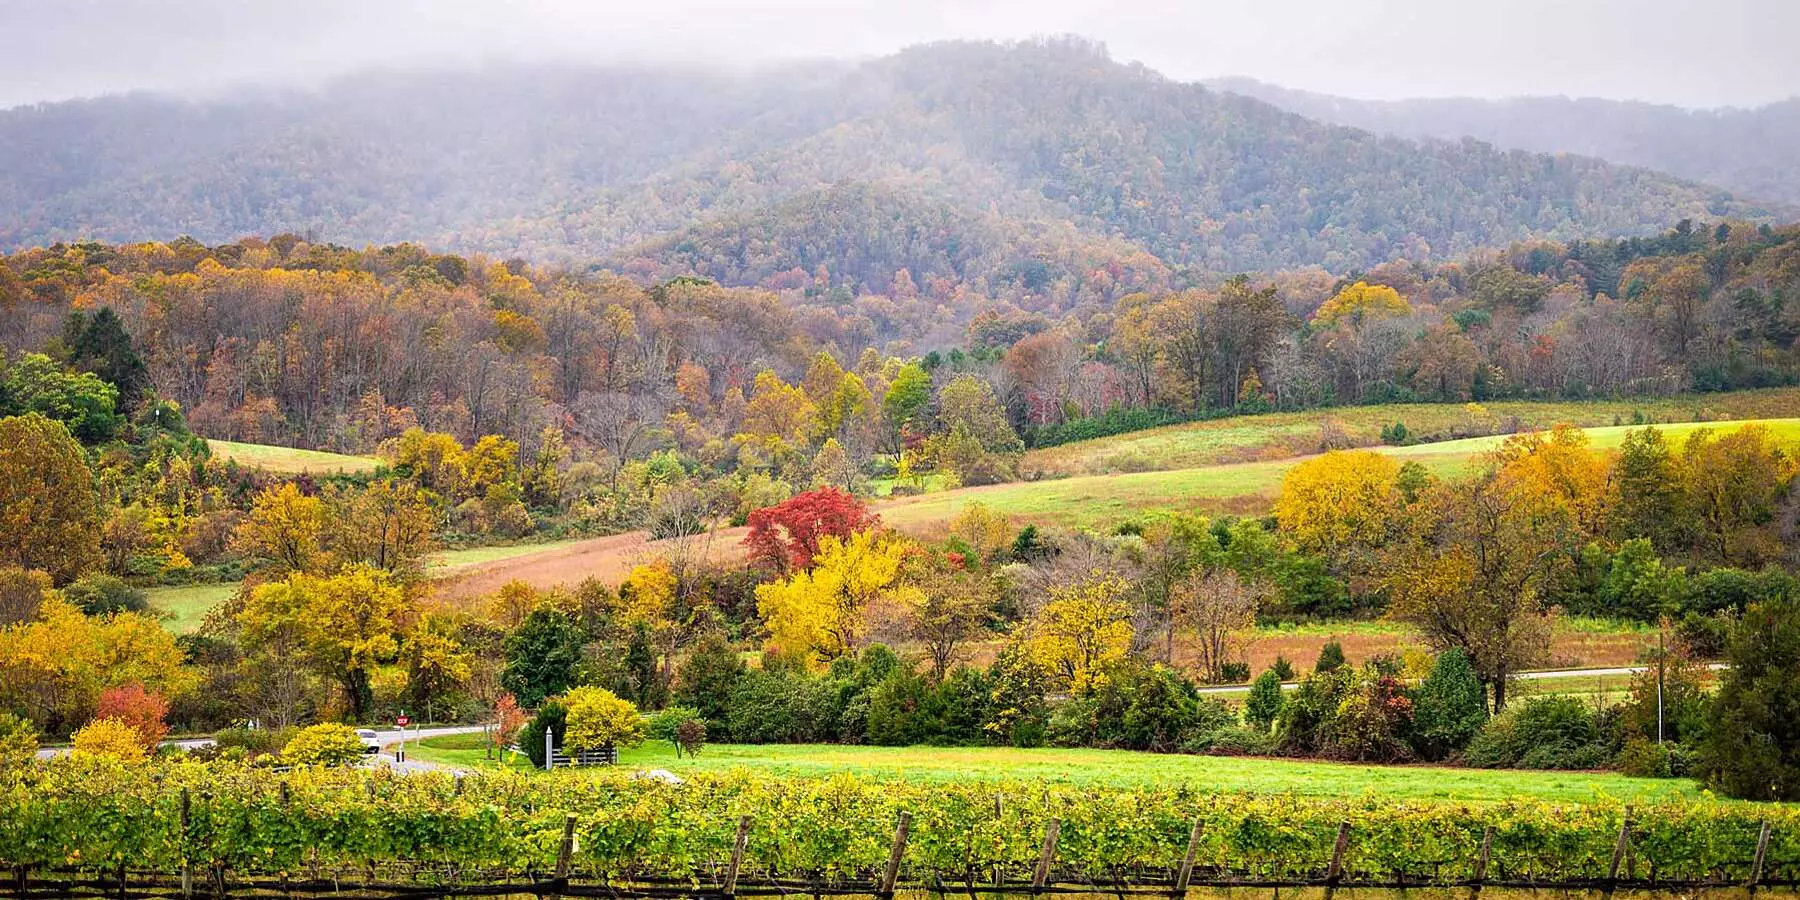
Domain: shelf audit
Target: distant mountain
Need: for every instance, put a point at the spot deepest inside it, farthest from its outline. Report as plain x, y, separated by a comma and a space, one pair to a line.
1037, 167
1755, 152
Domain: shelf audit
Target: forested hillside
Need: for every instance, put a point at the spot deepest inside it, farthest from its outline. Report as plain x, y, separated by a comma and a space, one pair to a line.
1755, 152
1042, 168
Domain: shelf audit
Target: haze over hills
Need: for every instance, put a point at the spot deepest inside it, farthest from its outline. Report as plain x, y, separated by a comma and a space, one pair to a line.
1754, 152
983, 163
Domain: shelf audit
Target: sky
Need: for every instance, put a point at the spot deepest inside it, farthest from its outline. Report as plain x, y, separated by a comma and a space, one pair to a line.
1697, 53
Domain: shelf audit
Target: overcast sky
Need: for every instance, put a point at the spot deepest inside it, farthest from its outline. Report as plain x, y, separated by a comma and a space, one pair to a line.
1687, 52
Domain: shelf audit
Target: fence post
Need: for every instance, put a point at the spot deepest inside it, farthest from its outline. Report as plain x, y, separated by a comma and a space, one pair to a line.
889, 875
1336, 871
1612, 873
1481, 862
1186, 873
1762, 850
563, 852
1040, 877
187, 864
737, 856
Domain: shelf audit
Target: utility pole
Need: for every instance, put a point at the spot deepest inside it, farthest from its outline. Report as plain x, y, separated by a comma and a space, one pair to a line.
1661, 657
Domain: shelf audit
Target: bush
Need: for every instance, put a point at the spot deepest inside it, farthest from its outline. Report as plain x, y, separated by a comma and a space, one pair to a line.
1331, 658
552, 718
141, 709
1283, 669
1752, 749
253, 742
690, 736
18, 740
1449, 707
1263, 706
99, 595
1395, 435
661, 725
781, 707
1646, 759
706, 679
325, 744
109, 738
1234, 672
1544, 733
1232, 741
598, 718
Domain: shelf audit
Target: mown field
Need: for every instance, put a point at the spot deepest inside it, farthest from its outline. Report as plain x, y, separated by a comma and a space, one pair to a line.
290, 460
1099, 501
1121, 768
1279, 435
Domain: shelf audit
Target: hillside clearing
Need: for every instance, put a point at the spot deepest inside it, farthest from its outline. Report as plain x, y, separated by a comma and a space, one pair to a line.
1123, 768
290, 460
1278, 435
1100, 501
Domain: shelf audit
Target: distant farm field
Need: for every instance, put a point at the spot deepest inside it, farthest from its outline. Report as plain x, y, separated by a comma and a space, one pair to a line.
1280, 435
290, 460
1123, 768
1099, 501
184, 608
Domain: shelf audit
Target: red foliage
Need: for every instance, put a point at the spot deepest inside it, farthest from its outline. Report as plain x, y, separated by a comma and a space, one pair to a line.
141, 709
784, 537
508, 719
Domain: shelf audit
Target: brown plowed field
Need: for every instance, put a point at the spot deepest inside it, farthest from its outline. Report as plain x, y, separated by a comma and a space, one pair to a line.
608, 558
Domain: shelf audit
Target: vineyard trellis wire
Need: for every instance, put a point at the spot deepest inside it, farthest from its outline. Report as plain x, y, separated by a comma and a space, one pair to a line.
74, 828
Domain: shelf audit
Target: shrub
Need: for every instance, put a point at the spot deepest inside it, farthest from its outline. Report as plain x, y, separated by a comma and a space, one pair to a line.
552, 718
109, 738
1234, 672
705, 681
1449, 707
1543, 733
1395, 435
141, 709
598, 718
781, 707
1643, 758
1752, 750
253, 742
99, 595
1232, 741
1283, 669
1331, 658
325, 744
690, 736
661, 725
1373, 721
1263, 705
18, 740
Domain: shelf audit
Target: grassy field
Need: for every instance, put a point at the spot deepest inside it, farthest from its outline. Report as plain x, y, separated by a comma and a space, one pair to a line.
1098, 501
289, 460
1123, 768
186, 606
1279, 435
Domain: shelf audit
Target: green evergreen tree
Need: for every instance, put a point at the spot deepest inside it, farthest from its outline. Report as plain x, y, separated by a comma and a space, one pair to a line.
1331, 658
706, 679
1263, 706
541, 656
101, 345
1449, 707
1752, 750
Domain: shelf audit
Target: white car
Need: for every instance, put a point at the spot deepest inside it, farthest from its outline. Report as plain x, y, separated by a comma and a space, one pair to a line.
371, 741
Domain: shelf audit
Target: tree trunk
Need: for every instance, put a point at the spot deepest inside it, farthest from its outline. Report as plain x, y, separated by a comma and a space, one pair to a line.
1499, 695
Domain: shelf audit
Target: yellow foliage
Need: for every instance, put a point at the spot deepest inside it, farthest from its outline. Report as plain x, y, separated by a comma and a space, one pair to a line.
647, 594
821, 613
1338, 502
598, 718
1082, 627
986, 531
286, 527
109, 738
346, 623
58, 664
1360, 302
325, 744
1561, 470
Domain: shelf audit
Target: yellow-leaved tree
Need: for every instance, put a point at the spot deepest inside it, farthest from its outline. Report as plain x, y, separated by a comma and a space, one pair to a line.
1082, 627
1360, 302
344, 625
1340, 505
285, 527
108, 739
823, 612
54, 667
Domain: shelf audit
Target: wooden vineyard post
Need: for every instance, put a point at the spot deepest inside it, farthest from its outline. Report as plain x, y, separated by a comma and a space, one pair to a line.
1762, 851
737, 857
563, 852
1040, 877
187, 864
892, 872
1618, 857
1186, 873
1336, 873
1481, 862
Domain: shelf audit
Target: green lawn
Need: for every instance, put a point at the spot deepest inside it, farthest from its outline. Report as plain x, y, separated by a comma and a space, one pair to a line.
290, 460
1247, 438
186, 606
1125, 768
450, 560
1098, 501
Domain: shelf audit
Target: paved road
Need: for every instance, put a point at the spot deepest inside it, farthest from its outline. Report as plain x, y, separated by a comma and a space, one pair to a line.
389, 738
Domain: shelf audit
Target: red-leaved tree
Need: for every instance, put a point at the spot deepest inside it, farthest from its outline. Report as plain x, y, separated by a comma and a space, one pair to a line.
785, 536
141, 709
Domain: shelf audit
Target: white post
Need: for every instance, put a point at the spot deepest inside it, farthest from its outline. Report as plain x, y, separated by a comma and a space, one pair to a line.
549, 752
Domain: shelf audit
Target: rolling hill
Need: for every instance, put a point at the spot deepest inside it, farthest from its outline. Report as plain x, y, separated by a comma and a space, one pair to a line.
1752, 151
1030, 167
